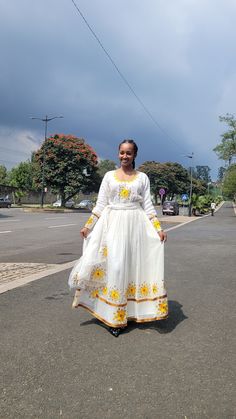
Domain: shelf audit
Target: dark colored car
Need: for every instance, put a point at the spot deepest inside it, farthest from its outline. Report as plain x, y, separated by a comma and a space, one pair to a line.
5, 203
170, 208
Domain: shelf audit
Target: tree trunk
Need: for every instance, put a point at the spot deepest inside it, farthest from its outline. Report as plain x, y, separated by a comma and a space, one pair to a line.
63, 199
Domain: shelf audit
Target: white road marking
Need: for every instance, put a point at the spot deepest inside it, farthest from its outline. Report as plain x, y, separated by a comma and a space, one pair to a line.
6, 231
8, 221
62, 225
68, 265
194, 219
55, 218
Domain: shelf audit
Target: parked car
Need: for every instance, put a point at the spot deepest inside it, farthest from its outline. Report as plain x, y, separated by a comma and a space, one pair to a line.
85, 204
5, 202
69, 204
170, 208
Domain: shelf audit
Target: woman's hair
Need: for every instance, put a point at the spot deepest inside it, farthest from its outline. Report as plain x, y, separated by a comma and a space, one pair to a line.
135, 148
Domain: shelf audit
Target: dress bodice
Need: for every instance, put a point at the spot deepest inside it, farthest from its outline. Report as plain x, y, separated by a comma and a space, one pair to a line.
116, 191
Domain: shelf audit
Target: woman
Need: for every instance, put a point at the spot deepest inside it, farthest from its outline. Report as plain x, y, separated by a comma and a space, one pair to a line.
120, 275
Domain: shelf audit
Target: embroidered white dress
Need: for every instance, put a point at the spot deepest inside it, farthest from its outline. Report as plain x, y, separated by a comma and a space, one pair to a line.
120, 275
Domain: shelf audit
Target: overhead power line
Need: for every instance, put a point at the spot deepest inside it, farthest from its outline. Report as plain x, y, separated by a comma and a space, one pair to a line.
123, 77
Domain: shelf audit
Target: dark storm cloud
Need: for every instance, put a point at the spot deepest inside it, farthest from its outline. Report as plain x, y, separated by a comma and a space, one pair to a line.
176, 55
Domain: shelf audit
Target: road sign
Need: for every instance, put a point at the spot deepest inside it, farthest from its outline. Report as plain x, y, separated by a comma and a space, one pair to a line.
162, 191
184, 197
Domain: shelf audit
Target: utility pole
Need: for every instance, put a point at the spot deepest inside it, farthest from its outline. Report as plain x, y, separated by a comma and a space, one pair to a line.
190, 156
45, 120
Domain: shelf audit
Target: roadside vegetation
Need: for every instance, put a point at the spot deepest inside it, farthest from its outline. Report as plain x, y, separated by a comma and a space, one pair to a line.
68, 166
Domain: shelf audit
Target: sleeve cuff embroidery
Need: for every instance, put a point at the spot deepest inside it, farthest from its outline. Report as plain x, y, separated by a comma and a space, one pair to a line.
156, 223
91, 221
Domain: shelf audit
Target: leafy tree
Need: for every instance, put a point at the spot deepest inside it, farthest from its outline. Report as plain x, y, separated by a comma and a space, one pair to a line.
104, 166
3, 174
69, 164
21, 176
203, 173
226, 150
229, 184
221, 172
171, 176
199, 187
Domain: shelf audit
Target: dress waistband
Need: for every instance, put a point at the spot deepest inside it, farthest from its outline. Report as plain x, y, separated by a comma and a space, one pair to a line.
125, 206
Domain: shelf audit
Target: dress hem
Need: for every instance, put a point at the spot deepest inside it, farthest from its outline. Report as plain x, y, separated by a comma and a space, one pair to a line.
135, 319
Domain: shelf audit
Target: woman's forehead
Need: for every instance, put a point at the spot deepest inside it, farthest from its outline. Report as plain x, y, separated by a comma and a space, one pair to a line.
126, 147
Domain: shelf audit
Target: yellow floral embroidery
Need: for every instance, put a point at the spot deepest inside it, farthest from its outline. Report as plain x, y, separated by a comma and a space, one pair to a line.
144, 290
104, 251
120, 315
124, 193
98, 274
154, 289
94, 293
156, 223
90, 220
131, 291
105, 291
115, 295
163, 307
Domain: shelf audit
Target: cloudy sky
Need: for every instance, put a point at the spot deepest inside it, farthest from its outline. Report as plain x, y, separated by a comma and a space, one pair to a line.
178, 56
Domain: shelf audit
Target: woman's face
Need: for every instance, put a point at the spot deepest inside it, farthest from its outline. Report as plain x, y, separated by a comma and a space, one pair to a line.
126, 155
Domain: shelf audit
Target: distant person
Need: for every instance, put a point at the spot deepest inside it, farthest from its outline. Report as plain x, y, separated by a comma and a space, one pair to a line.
120, 276
213, 207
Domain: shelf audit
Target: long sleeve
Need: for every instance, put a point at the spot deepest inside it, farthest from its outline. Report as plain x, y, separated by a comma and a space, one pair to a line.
102, 202
148, 205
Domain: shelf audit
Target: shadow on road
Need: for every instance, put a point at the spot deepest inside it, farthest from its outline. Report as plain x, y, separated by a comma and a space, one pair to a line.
176, 316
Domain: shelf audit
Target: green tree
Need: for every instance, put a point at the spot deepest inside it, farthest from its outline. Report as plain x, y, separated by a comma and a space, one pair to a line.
203, 173
104, 166
199, 187
221, 172
3, 174
21, 176
69, 164
229, 184
172, 177
226, 150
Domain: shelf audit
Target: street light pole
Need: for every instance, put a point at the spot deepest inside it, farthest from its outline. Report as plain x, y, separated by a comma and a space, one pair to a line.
190, 156
46, 120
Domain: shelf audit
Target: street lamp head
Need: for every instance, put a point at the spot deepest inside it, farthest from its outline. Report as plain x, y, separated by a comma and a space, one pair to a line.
190, 156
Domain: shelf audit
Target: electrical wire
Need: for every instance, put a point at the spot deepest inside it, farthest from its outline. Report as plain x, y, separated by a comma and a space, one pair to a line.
123, 77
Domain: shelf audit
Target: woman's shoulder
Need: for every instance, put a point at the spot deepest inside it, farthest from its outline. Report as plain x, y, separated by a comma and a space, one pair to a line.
108, 175
142, 175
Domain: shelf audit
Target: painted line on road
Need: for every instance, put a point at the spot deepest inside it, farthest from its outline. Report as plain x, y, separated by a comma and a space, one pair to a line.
8, 221
30, 278
6, 231
68, 265
62, 225
193, 219
55, 218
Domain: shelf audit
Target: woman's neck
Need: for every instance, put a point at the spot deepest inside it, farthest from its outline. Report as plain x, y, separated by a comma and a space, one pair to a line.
127, 170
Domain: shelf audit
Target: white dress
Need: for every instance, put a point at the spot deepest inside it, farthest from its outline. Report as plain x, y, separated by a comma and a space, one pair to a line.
120, 275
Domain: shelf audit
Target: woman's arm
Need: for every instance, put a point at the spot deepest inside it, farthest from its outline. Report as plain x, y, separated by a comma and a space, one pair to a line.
101, 203
150, 210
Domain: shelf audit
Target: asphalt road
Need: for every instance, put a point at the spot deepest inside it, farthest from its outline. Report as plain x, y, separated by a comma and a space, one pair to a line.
62, 363
41, 237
